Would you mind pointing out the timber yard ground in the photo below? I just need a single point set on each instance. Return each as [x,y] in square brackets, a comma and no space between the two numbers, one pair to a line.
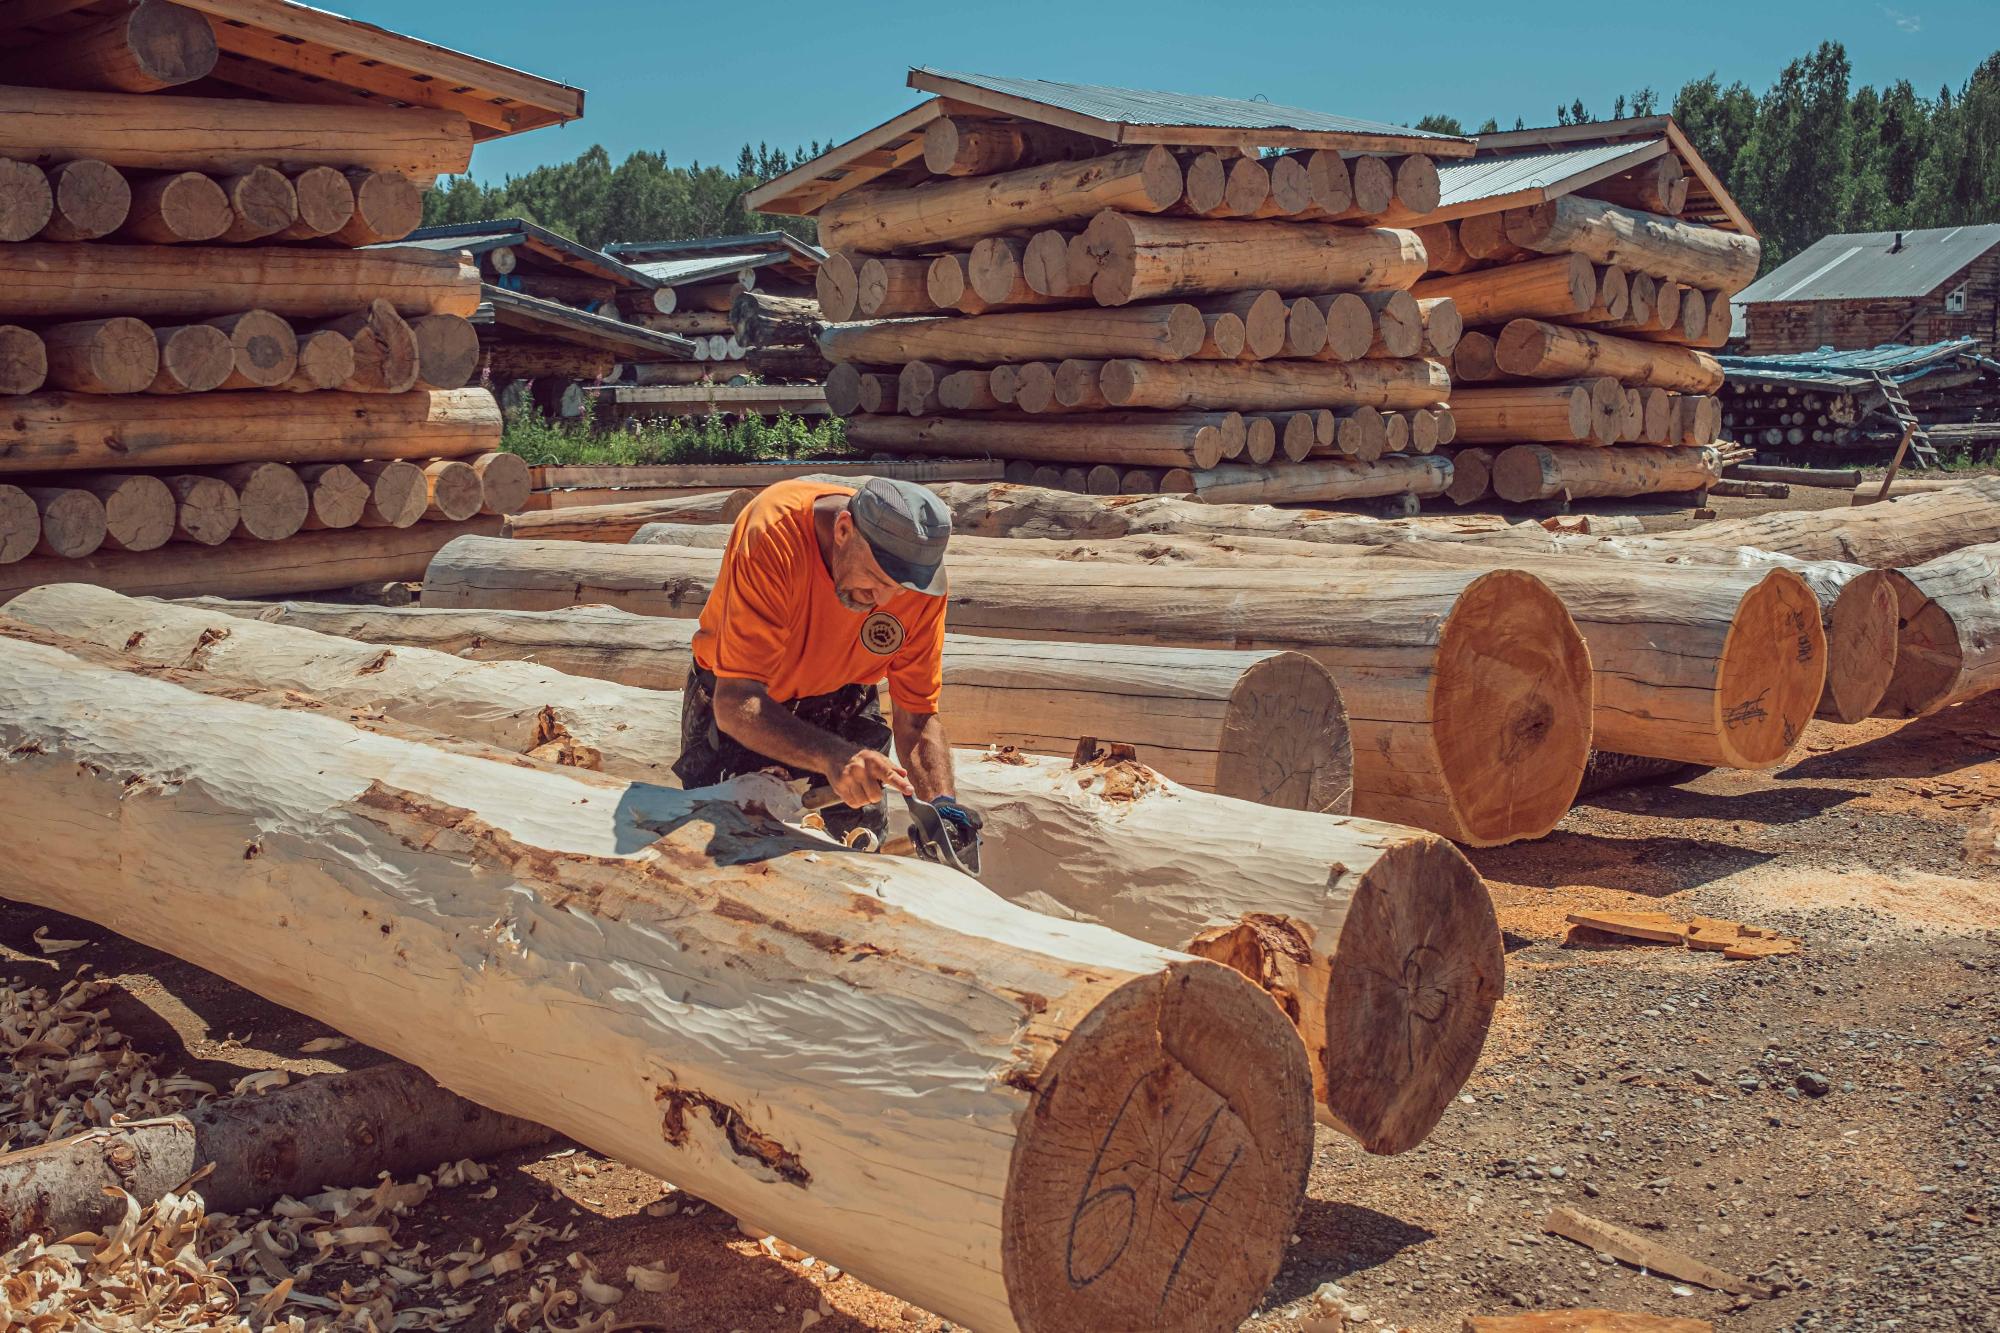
[1824,1123]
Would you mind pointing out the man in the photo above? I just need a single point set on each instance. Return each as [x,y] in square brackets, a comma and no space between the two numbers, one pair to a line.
[825,591]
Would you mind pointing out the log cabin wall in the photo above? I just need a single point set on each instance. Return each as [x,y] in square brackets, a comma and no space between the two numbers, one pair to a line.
[1801,326]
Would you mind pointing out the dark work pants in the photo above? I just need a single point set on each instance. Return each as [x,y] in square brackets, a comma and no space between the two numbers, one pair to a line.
[709,756]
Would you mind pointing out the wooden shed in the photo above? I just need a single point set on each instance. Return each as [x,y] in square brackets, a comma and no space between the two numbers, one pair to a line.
[1864,289]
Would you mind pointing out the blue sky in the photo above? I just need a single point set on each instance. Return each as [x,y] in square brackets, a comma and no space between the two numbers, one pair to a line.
[697,80]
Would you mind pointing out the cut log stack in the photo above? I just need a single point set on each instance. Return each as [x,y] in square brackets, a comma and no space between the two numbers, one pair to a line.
[1143,319]
[1588,324]
[206,384]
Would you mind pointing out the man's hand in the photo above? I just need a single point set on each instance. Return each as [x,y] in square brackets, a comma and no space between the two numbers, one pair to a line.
[860,778]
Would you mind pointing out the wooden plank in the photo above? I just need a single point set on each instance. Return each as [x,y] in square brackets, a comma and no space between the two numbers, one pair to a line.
[368,42]
[1710,182]
[1641,1252]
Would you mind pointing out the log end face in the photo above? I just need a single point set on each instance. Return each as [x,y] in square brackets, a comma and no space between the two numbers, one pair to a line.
[1160,178]
[1771,672]
[1412,983]
[1511,698]
[1861,647]
[1161,1164]
[1285,741]
[1928,654]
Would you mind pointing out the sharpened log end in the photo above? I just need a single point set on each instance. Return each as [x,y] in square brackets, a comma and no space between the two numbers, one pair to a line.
[1511,699]
[1162,1161]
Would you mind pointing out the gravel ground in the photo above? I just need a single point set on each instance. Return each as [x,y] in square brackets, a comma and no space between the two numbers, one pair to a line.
[1825,1123]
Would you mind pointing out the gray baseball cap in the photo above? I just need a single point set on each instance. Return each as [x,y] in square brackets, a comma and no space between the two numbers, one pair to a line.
[906,527]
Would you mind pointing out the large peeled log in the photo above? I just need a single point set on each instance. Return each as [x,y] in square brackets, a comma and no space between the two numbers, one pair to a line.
[1900,533]
[1468,694]
[1948,650]
[1015,1121]
[1379,942]
[1265,727]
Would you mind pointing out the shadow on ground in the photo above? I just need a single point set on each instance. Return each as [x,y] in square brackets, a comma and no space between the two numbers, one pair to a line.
[1336,1240]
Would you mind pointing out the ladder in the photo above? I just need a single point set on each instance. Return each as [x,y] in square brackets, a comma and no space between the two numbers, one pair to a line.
[1918,440]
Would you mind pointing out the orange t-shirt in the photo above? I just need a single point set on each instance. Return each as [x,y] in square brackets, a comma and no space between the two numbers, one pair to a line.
[774,617]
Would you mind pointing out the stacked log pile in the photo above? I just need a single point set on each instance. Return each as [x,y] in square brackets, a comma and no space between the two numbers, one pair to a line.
[206,382]
[1589,323]
[738,326]
[1140,319]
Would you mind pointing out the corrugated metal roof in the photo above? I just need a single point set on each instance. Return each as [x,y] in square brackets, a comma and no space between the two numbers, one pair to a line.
[1133,106]
[677,272]
[1477,178]
[564,323]
[756,242]
[1850,368]
[479,237]
[1860,265]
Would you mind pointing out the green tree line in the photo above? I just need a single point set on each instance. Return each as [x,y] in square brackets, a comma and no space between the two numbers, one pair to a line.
[642,198]
[1813,154]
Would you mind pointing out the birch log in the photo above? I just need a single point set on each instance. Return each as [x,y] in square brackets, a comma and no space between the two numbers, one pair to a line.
[1380,943]
[1468,694]
[959,1121]
[1948,650]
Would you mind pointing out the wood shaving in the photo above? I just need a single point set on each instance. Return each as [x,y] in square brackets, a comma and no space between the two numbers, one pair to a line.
[66,1069]
[320,1045]
[47,945]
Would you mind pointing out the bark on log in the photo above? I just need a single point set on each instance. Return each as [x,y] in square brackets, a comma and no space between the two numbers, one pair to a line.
[1553,287]
[1441,672]
[264,350]
[140,48]
[874,221]
[176,209]
[1689,252]
[206,510]
[1948,646]
[1538,350]
[1140,439]
[229,135]
[385,350]
[1005,1140]
[24,362]
[196,282]
[90,200]
[1167,332]
[1538,472]
[326,1131]
[55,432]
[1141,258]
[309,562]
[116,355]
[1432,906]
[759,320]
[262,203]
[618,522]
[1274,385]
[325,200]
[193,358]
[388,205]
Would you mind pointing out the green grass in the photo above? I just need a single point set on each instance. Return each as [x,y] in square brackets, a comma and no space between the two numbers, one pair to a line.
[708,439]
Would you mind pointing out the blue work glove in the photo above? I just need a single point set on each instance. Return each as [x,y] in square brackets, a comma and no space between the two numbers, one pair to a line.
[962,824]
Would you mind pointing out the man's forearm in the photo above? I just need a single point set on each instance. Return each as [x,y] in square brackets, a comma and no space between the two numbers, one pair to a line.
[922,747]
[754,721]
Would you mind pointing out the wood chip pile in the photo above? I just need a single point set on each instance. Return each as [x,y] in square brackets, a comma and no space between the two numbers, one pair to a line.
[1139,319]
[1585,318]
[207,384]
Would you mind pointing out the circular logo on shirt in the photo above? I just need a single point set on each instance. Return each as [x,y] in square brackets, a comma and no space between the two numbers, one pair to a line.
[882,634]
